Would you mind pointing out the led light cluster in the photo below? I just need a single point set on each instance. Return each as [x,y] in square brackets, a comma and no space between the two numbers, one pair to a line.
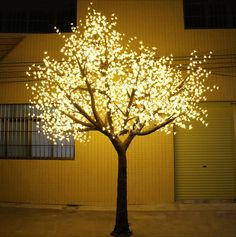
[102,85]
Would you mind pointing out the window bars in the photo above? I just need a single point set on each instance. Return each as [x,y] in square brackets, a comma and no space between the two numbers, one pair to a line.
[20,138]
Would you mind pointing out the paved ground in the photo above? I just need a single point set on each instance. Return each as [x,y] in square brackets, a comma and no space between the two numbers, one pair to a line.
[218,220]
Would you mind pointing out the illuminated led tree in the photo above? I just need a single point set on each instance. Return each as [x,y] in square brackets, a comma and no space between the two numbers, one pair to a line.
[102,85]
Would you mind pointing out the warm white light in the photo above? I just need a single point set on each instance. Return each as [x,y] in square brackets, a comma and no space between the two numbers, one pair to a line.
[105,86]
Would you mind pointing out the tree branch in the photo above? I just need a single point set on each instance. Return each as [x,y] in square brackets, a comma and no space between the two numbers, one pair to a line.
[95,113]
[79,108]
[128,140]
[131,99]
[87,129]
[179,87]
[91,93]
[77,120]
[155,128]
[105,66]
[83,129]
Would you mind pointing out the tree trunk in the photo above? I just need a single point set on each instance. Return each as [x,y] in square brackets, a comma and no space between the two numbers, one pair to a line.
[122,225]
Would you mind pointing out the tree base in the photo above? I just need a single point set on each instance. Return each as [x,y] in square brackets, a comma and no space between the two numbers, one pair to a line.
[120,233]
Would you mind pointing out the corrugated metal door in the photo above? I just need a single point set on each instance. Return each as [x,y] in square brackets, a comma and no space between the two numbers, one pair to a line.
[205,162]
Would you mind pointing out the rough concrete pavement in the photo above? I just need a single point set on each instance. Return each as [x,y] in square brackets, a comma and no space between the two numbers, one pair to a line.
[217,220]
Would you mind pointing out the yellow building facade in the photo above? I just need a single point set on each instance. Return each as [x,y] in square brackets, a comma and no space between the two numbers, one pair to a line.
[90,179]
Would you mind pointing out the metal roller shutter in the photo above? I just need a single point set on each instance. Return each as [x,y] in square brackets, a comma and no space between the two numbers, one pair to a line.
[205,162]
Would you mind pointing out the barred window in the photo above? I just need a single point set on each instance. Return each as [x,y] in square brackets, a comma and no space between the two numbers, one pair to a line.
[20,138]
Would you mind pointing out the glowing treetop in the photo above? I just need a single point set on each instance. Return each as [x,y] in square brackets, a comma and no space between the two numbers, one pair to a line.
[102,85]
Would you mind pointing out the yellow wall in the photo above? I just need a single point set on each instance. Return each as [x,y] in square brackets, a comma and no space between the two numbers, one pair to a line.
[91,177]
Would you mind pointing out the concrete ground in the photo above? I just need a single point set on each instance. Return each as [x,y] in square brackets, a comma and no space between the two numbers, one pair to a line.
[178,220]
